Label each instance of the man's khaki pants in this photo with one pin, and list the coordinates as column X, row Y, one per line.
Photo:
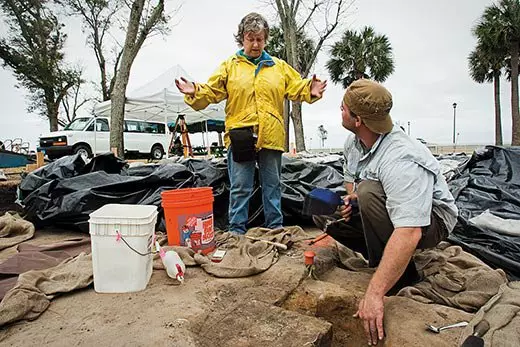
column 369, row 230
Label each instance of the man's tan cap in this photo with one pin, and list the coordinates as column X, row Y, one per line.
column 372, row 103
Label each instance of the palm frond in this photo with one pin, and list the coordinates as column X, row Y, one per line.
column 363, row 54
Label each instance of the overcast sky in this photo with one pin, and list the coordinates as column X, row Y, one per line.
column 431, row 41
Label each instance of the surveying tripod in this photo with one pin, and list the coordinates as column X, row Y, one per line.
column 180, row 123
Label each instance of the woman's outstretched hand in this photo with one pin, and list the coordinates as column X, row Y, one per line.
column 185, row 87
column 318, row 87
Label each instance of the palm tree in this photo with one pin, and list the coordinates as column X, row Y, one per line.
column 360, row 55
column 500, row 27
column 485, row 65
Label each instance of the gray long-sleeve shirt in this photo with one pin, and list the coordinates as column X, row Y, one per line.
column 410, row 176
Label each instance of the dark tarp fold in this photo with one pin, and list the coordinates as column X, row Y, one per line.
column 67, row 191
column 489, row 181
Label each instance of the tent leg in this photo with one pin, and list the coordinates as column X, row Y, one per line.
column 166, row 132
column 208, row 147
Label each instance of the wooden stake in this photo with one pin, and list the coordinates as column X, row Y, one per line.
column 39, row 159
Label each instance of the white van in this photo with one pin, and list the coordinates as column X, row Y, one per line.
column 142, row 137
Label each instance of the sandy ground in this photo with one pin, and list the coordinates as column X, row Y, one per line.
column 275, row 308
column 165, row 314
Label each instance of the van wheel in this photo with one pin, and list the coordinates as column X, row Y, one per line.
column 157, row 152
column 83, row 150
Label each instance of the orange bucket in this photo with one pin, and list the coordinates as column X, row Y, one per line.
column 189, row 218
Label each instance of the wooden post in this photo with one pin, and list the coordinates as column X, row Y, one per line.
column 39, row 159
column 30, row 167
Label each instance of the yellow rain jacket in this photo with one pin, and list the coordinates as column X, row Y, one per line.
column 255, row 96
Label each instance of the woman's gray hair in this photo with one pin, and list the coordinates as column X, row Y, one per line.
column 252, row 23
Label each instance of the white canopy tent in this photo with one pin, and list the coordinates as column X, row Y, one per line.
column 159, row 100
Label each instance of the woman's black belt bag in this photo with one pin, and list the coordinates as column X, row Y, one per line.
column 243, row 141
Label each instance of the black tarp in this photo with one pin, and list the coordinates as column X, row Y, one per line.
column 300, row 177
column 490, row 180
column 66, row 191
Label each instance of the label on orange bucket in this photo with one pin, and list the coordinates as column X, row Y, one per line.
column 197, row 231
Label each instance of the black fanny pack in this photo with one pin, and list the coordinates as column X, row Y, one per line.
column 243, row 141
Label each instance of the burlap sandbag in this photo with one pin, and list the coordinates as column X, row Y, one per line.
column 13, row 230
column 244, row 257
column 35, row 289
column 453, row 278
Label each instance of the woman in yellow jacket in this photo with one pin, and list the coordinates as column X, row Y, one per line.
column 255, row 86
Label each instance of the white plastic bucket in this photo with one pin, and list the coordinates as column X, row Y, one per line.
column 117, row 268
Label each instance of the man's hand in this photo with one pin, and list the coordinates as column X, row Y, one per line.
column 346, row 210
column 371, row 310
column 397, row 254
